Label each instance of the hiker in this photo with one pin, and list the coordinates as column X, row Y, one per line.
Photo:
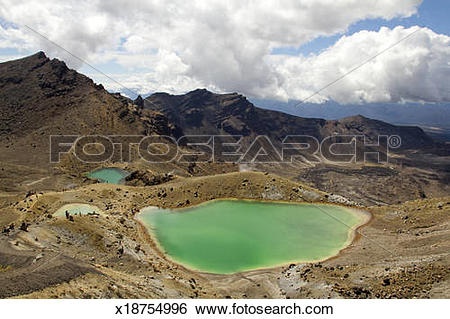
column 121, row 249
column 67, row 214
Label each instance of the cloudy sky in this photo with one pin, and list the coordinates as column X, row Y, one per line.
column 264, row 49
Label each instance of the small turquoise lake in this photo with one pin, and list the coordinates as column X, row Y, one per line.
column 77, row 209
column 110, row 175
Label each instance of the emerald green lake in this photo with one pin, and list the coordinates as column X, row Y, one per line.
column 111, row 175
column 229, row 236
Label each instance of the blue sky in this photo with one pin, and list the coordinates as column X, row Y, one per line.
column 229, row 46
column 433, row 14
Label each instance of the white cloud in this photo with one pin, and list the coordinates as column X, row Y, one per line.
column 179, row 45
column 416, row 69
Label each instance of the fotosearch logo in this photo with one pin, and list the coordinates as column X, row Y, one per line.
column 222, row 148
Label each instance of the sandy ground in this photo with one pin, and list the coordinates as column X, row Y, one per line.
column 402, row 253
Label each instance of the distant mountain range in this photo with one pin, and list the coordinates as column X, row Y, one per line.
column 433, row 118
column 204, row 112
column 40, row 97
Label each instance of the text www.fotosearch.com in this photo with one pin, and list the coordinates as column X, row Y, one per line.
column 234, row 309
column 245, row 309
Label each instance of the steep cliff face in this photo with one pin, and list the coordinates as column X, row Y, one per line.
column 411, row 136
column 203, row 112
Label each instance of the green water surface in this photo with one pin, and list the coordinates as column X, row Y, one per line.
column 228, row 236
column 77, row 209
column 111, row 175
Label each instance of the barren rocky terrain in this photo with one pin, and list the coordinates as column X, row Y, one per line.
column 403, row 252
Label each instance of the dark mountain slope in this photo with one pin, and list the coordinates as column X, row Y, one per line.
column 203, row 112
column 37, row 93
column 412, row 136
column 40, row 97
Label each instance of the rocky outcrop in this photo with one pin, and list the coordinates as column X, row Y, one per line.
column 147, row 178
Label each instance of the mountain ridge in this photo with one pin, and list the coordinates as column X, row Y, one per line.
column 204, row 112
column 40, row 97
